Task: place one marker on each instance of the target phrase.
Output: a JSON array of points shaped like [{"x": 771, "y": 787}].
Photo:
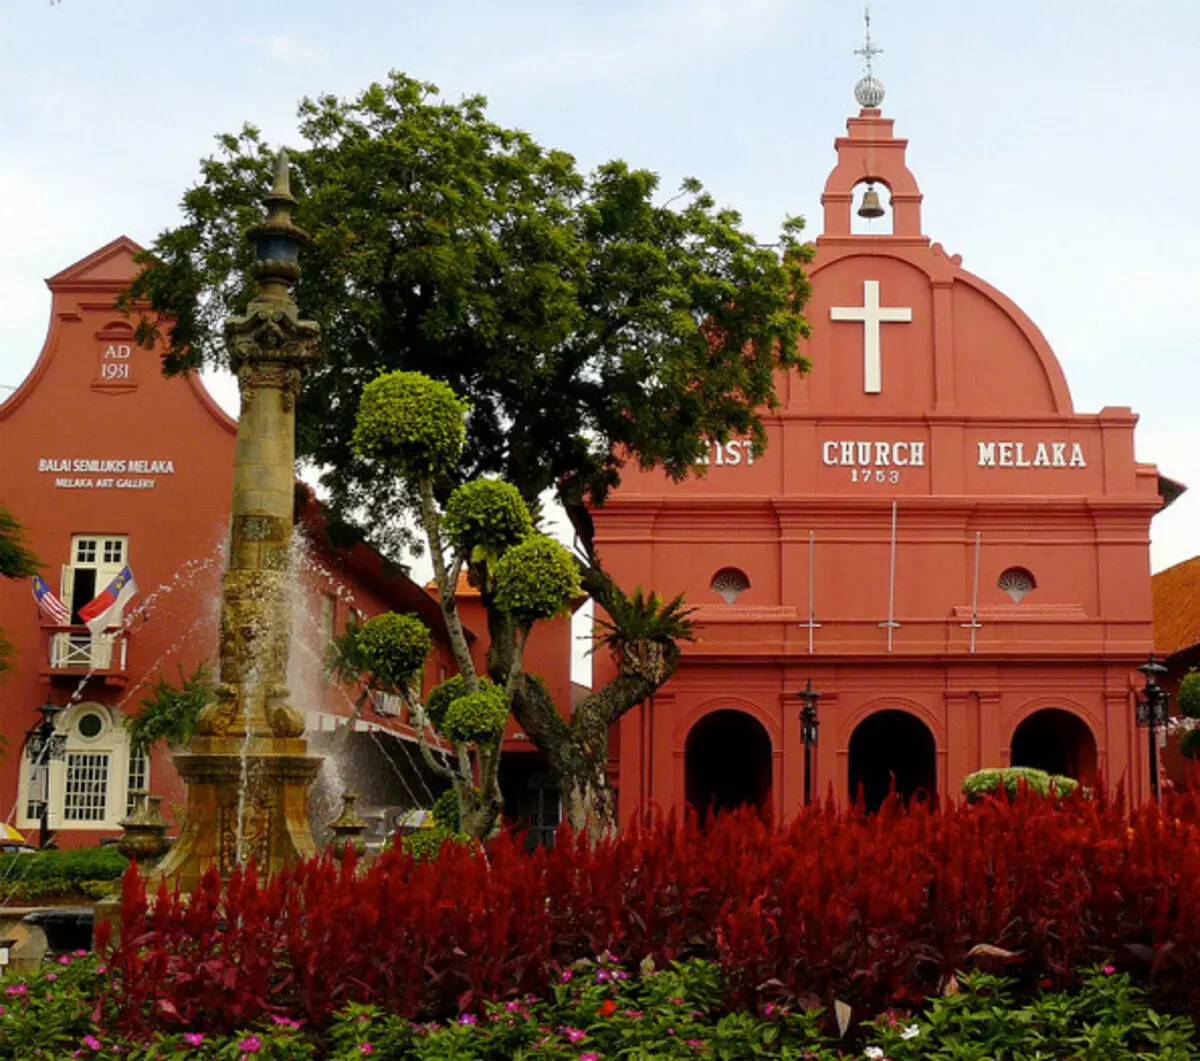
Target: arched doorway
[
  {"x": 727, "y": 763},
  {"x": 892, "y": 747},
  {"x": 1056, "y": 741}
]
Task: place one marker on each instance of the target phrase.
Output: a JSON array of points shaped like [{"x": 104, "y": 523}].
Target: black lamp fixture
[
  {"x": 1152, "y": 712},
  {"x": 808, "y": 733},
  {"x": 43, "y": 743}
]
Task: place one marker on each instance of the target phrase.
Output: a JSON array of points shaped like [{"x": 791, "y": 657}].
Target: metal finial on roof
[{"x": 869, "y": 90}]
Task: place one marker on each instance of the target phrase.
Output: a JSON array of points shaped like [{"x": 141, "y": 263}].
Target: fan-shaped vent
[
  {"x": 730, "y": 583},
  {"x": 1016, "y": 582}
]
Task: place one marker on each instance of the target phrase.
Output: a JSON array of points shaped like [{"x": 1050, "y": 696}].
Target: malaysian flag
[{"x": 49, "y": 606}]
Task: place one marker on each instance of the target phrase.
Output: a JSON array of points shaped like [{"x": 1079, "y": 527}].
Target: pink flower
[
  {"x": 101, "y": 969},
  {"x": 52, "y": 977},
  {"x": 80, "y": 953},
  {"x": 574, "y": 1035},
  {"x": 565, "y": 977},
  {"x": 366, "y": 1048},
  {"x": 589, "y": 1057},
  {"x": 250, "y": 1045},
  {"x": 468, "y": 1018},
  {"x": 2, "y": 1011},
  {"x": 602, "y": 976},
  {"x": 675, "y": 1001},
  {"x": 193, "y": 1038},
  {"x": 1108, "y": 970},
  {"x": 91, "y": 1042},
  {"x": 64, "y": 959},
  {"x": 769, "y": 1009},
  {"x": 284, "y": 1022},
  {"x": 16, "y": 989}
]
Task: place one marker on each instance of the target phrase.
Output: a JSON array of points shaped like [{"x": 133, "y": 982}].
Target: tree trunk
[{"x": 587, "y": 798}]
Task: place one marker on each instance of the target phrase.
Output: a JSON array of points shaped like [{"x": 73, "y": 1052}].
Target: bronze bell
[{"x": 871, "y": 207}]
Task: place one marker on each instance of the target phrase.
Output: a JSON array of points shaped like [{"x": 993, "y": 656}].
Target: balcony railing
[{"x": 81, "y": 651}]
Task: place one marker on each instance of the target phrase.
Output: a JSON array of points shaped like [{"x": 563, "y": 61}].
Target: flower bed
[
  {"x": 869, "y": 911},
  {"x": 598, "y": 1011}
]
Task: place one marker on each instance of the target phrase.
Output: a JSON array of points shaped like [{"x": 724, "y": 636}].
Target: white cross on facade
[{"x": 872, "y": 315}]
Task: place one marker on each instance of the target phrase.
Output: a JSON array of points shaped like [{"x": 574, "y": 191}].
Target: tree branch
[{"x": 447, "y": 589}]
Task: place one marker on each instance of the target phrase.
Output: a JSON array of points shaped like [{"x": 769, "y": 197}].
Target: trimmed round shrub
[
  {"x": 412, "y": 423},
  {"x": 990, "y": 781},
  {"x": 442, "y": 696},
  {"x": 485, "y": 517},
  {"x": 536, "y": 579},
  {"x": 394, "y": 648},
  {"x": 446, "y": 811},
  {"x": 1189, "y": 694},
  {"x": 477, "y": 718}
]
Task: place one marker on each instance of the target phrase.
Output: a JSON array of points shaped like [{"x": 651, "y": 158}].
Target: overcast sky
[{"x": 1052, "y": 141}]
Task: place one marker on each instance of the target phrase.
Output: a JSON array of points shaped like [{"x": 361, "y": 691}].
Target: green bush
[
  {"x": 48, "y": 875},
  {"x": 442, "y": 696},
  {"x": 394, "y": 647},
  {"x": 425, "y": 844},
  {"x": 486, "y": 517},
  {"x": 1012, "y": 778},
  {"x": 477, "y": 718},
  {"x": 1189, "y": 694},
  {"x": 446, "y": 811},
  {"x": 412, "y": 423},
  {"x": 537, "y": 579}
]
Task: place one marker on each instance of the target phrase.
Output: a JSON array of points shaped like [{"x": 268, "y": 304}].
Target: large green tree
[
  {"x": 16, "y": 561},
  {"x": 586, "y": 320}
]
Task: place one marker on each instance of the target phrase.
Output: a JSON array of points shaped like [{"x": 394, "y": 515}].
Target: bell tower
[{"x": 871, "y": 154}]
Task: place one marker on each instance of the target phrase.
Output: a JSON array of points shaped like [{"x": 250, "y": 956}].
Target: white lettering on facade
[
  {"x": 872, "y": 454},
  {"x": 734, "y": 452},
  {"x": 1045, "y": 455},
  {"x": 107, "y": 469}
]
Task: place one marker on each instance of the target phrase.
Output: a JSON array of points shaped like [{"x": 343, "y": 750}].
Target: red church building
[{"x": 955, "y": 557}]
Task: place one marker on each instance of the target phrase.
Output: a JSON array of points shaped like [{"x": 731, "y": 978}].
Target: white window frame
[
  {"x": 112, "y": 740},
  {"x": 106, "y": 571}
]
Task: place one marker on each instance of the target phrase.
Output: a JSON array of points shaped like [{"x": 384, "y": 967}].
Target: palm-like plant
[{"x": 641, "y": 628}]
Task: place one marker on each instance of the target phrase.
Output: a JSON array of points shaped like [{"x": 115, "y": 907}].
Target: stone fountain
[{"x": 247, "y": 767}]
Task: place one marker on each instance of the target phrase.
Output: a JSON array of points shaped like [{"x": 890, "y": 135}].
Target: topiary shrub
[
  {"x": 477, "y": 718},
  {"x": 394, "y": 647},
  {"x": 412, "y": 423},
  {"x": 485, "y": 517},
  {"x": 988, "y": 782},
  {"x": 1189, "y": 707},
  {"x": 425, "y": 844},
  {"x": 446, "y": 811},
  {"x": 442, "y": 696},
  {"x": 536, "y": 579}
]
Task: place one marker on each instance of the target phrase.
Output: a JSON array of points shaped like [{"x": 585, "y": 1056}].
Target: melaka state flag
[
  {"x": 105, "y": 610},
  {"x": 48, "y": 603}
]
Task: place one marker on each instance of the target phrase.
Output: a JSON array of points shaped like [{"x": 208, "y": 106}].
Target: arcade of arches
[{"x": 728, "y": 757}]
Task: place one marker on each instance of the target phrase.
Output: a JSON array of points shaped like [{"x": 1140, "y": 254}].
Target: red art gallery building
[
  {"x": 107, "y": 463},
  {"x": 956, "y": 558}
]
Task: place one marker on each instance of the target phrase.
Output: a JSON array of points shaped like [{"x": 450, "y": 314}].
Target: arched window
[
  {"x": 91, "y": 786},
  {"x": 1016, "y": 582},
  {"x": 730, "y": 583}
]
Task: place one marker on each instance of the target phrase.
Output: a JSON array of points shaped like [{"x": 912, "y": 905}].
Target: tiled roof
[{"x": 1177, "y": 607}]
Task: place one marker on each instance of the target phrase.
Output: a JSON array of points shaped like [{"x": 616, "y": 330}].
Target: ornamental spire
[
  {"x": 277, "y": 240},
  {"x": 869, "y": 90}
]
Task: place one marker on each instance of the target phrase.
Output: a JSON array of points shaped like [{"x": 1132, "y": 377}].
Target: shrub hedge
[
  {"x": 83, "y": 871},
  {"x": 1013, "y": 778}
]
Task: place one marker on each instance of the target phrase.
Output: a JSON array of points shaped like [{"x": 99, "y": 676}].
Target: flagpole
[{"x": 891, "y": 623}]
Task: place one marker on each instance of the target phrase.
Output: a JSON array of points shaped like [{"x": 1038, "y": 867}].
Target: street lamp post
[
  {"x": 1152, "y": 712},
  {"x": 808, "y": 733},
  {"x": 43, "y": 744}
]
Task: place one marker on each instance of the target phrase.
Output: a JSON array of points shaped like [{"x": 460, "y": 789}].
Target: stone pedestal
[{"x": 273, "y": 811}]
